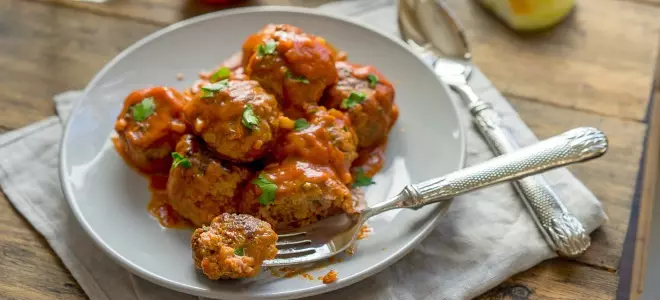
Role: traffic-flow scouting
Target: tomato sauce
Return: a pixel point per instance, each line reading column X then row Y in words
column 370, row 160
column 160, row 208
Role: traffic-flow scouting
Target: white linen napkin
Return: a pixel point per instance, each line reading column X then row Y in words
column 485, row 238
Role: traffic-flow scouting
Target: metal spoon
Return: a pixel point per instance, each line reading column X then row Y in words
column 430, row 29
column 334, row 235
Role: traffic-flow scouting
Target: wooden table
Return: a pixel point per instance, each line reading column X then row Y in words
column 595, row 69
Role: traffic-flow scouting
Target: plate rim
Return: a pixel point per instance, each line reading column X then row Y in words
column 439, row 211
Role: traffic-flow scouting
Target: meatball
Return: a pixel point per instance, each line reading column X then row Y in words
column 328, row 140
column 294, row 66
column 237, row 119
column 295, row 193
column 149, row 126
column 228, row 69
column 233, row 246
column 201, row 187
column 368, row 98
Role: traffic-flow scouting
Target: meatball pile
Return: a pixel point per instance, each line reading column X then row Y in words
column 274, row 132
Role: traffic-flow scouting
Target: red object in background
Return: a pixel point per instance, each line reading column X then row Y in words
column 219, row 1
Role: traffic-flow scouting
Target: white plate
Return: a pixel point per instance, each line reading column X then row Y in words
column 109, row 199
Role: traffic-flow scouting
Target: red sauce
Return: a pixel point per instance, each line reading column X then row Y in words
column 370, row 160
column 158, row 206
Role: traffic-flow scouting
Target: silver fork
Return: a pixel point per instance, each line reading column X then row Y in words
column 334, row 235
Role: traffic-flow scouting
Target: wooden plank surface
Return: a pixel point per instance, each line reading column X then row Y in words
column 60, row 44
column 599, row 60
column 556, row 280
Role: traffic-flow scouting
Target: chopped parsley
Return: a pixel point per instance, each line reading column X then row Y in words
column 239, row 251
column 180, row 160
column 353, row 99
column 300, row 124
column 373, row 79
column 300, row 79
column 144, row 109
column 209, row 89
column 222, row 73
column 267, row 188
column 250, row 120
column 361, row 179
column 267, row 48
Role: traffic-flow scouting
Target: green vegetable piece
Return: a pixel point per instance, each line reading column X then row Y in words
column 144, row 109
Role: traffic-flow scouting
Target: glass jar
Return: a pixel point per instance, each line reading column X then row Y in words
column 529, row 15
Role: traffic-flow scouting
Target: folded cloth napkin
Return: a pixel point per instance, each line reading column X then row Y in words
column 484, row 238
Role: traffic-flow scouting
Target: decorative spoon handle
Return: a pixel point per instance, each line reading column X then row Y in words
column 561, row 230
column 573, row 146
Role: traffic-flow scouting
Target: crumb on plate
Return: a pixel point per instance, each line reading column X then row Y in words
column 364, row 232
column 330, row 277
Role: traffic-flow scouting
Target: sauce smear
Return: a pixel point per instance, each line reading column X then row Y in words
column 159, row 206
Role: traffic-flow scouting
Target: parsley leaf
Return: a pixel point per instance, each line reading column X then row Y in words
column 300, row 79
column 209, row 89
column 239, row 251
column 373, row 79
column 144, row 109
column 265, row 49
column 222, row 73
column 361, row 179
column 267, row 188
column 300, row 124
column 250, row 120
column 353, row 99
column 180, row 160
column 207, row 94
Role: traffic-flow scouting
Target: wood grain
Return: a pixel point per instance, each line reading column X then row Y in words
column 556, row 279
column 47, row 49
column 650, row 170
column 591, row 71
column 587, row 63
column 163, row 12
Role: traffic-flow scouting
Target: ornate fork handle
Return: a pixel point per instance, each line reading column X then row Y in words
column 573, row 146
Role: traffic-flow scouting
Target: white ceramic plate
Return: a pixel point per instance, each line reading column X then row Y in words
column 109, row 199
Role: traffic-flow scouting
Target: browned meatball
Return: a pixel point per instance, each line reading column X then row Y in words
column 296, row 67
column 328, row 140
column 233, row 246
column 237, row 119
column 149, row 126
column 295, row 193
column 201, row 187
column 368, row 98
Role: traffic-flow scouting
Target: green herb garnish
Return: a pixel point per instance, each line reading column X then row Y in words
column 373, row 79
column 239, row 251
column 300, row 124
column 144, row 109
column 300, row 79
column 180, row 160
column 353, row 99
column 222, row 73
column 267, row 188
column 209, row 89
column 250, row 120
column 361, row 179
column 265, row 49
